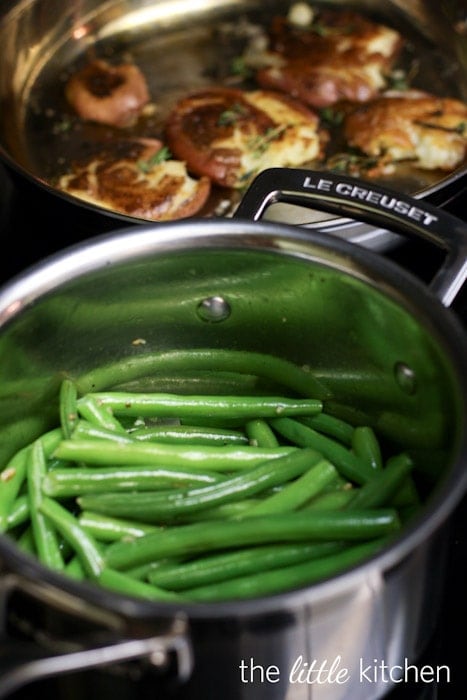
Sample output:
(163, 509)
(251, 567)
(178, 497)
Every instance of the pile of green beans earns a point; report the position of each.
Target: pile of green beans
(203, 497)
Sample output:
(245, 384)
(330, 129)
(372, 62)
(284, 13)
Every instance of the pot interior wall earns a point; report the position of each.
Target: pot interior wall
(380, 360)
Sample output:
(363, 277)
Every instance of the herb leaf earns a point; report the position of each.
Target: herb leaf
(230, 116)
(160, 157)
(240, 67)
(260, 144)
(351, 162)
(331, 117)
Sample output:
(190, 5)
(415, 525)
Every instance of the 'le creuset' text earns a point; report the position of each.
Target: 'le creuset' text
(384, 201)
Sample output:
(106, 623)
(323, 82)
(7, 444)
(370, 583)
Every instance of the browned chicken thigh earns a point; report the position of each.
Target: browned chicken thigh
(428, 131)
(338, 56)
(231, 134)
(137, 178)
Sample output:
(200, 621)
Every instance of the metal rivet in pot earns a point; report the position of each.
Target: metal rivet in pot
(214, 309)
(405, 378)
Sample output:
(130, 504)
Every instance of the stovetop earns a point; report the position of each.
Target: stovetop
(33, 226)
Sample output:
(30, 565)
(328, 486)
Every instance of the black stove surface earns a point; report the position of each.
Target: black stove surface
(34, 224)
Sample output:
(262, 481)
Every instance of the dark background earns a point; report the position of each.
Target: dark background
(34, 224)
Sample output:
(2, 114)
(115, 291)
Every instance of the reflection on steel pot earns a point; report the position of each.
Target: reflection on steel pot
(301, 296)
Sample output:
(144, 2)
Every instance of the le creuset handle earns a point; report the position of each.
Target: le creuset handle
(370, 203)
(24, 662)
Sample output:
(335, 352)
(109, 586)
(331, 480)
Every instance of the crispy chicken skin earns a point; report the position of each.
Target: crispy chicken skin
(113, 95)
(340, 56)
(129, 180)
(427, 130)
(230, 135)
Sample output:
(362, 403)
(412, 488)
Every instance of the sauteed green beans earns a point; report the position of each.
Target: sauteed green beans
(198, 497)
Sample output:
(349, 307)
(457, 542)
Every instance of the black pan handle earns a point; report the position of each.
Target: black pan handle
(371, 203)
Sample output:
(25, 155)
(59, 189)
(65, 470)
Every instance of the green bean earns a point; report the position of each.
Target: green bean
(19, 513)
(339, 484)
(344, 460)
(98, 413)
(74, 481)
(331, 500)
(45, 536)
(11, 480)
(302, 526)
(289, 374)
(106, 529)
(212, 491)
(145, 405)
(26, 542)
(192, 434)
(286, 578)
(379, 490)
(84, 430)
(212, 422)
(260, 434)
(299, 491)
(142, 572)
(13, 475)
(79, 539)
(349, 413)
(168, 505)
(203, 381)
(236, 509)
(129, 586)
(227, 565)
(407, 496)
(49, 441)
(331, 426)
(68, 409)
(53, 463)
(366, 446)
(74, 568)
(215, 457)
(368, 387)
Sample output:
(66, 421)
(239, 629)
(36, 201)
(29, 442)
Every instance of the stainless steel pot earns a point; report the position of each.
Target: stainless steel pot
(177, 46)
(383, 342)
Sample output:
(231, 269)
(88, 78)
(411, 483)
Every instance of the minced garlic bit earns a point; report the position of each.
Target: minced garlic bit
(300, 14)
(8, 474)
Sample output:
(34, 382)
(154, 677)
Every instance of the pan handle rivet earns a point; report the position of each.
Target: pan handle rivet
(213, 309)
(158, 657)
(405, 377)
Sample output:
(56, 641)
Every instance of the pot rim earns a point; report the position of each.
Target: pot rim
(130, 244)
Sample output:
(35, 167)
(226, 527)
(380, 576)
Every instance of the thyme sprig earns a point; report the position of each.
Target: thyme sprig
(232, 115)
(145, 166)
(351, 162)
(260, 143)
(331, 117)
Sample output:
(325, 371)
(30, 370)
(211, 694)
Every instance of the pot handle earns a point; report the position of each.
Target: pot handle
(24, 662)
(371, 203)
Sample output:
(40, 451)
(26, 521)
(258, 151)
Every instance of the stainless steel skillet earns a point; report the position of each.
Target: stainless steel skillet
(181, 46)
